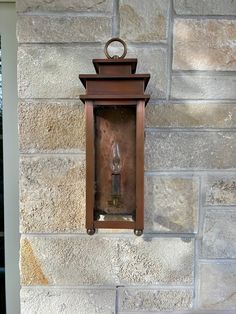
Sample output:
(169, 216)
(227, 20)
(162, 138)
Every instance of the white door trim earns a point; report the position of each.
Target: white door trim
(10, 154)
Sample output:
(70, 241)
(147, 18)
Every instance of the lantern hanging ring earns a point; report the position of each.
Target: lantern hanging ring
(115, 56)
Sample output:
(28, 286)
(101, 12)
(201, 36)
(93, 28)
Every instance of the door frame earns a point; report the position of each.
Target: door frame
(10, 154)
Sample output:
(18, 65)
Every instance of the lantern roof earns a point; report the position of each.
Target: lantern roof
(115, 79)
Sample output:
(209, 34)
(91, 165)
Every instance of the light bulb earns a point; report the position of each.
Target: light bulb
(115, 173)
(116, 162)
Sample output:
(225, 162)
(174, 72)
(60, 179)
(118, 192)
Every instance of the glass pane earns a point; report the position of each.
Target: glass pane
(115, 197)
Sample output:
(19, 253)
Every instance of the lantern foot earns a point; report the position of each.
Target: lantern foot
(90, 231)
(138, 232)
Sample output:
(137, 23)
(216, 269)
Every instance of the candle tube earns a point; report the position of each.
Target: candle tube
(115, 167)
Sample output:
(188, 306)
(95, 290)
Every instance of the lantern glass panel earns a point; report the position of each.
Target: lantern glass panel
(115, 165)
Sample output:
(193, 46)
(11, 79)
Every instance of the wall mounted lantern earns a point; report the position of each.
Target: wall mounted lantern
(114, 106)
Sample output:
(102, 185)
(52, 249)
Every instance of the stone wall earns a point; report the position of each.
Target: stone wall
(186, 259)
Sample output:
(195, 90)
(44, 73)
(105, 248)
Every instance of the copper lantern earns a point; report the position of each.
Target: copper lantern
(114, 105)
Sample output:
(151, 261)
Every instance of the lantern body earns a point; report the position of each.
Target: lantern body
(114, 106)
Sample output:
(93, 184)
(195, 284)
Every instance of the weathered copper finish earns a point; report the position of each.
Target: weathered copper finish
(114, 105)
(90, 231)
(138, 232)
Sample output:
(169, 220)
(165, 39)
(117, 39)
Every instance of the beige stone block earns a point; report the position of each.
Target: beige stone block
(189, 150)
(66, 29)
(52, 300)
(142, 22)
(46, 126)
(191, 115)
(62, 5)
(30, 267)
(205, 7)
(152, 60)
(52, 194)
(189, 86)
(219, 234)
(204, 44)
(105, 260)
(218, 286)
(52, 71)
(154, 300)
(171, 204)
(220, 190)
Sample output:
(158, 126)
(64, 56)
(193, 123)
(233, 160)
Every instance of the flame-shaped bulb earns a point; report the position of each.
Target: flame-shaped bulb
(116, 162)
(115, 172)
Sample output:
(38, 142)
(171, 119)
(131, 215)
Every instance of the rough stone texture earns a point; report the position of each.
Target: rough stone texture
(205, 7)
(155, 272)
(31, 269)
(212, 45)
(171, 204)
(220, 190)
(52, 71)
(152, 60)
(140, 22)
(189, 86)
(191, 115)
(53, 29)
(219, 234)
(100, 260)
(68, 301)
(51, 127)
(43, 71)
(154, 300)
(218, 286)
(62, 5)
(190, 150)
(52, 194)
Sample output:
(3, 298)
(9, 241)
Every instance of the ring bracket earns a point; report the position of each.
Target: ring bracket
(115, 56)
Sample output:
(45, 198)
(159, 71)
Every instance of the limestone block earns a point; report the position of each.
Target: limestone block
(189, 150)
(191, 115)
(204, 44)
(205, 7)
(52, 194)
(66, 29)
(52, 71)
(189, 86)
(218, 286)
(219, 234)
(154, 300)
(152, 60)
(51, 127)
(52, 300)
(140, 22)
(105, 260)
(220, 190)
(171, 204)
(62, 5)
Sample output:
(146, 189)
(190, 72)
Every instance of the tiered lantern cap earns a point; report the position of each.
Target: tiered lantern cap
(115, 80)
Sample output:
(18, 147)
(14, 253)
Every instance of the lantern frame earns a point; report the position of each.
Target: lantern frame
(114, 84)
